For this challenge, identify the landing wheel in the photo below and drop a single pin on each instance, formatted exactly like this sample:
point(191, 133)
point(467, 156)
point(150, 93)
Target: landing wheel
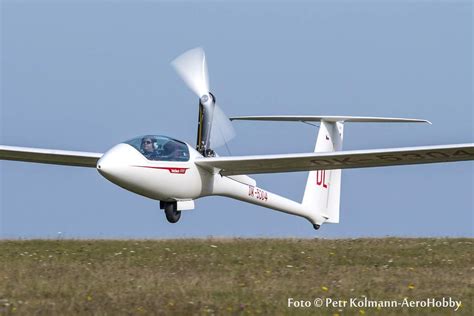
point(172, 214)
point(316, 226)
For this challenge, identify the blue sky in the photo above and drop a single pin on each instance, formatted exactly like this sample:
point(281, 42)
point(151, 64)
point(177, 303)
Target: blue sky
point(83, 75)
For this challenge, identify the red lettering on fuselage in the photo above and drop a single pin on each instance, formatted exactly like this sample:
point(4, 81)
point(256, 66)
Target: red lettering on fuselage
point(170, 169)
point(258, 193)
point(321, 178)
point(251, 190)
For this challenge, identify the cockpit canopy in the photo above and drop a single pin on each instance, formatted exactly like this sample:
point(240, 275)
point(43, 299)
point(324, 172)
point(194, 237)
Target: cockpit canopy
point(160, 148)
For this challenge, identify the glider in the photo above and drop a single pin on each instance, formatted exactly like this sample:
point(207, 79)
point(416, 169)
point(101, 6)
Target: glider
point(176, 174)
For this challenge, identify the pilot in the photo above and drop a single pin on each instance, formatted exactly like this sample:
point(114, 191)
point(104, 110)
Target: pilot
point(148, 148)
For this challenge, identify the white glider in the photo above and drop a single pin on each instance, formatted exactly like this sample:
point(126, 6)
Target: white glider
point(176, 173)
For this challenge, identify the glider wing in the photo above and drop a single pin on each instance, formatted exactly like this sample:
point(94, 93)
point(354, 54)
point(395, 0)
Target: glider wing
point(50, 156)
point(337, 160)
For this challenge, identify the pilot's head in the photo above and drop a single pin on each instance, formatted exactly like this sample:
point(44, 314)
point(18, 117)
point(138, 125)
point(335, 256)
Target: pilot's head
point(148, 144)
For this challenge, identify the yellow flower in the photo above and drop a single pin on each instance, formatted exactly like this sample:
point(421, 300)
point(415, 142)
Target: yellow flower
point(411, 286)
point(325, 289)
point(361, 311)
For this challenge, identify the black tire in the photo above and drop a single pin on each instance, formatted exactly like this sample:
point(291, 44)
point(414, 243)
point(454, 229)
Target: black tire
point(172, 214)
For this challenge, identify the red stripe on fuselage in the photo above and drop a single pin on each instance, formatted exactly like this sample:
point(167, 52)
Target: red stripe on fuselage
point(170, 169)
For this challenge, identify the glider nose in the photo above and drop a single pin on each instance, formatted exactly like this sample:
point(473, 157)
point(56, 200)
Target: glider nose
point(105, 165)
point(114, 164)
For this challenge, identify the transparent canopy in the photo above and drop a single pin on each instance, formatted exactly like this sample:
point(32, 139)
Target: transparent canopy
point(160, 148)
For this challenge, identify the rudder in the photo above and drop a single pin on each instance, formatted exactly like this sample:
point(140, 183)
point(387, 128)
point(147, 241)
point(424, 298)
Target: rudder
point(323, 187)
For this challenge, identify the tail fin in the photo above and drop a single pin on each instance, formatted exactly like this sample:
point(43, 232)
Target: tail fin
point(323, 187)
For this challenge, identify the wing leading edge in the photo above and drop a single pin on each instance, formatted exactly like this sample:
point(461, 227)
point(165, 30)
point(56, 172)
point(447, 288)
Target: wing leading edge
point(338, 160)
point(50, 156)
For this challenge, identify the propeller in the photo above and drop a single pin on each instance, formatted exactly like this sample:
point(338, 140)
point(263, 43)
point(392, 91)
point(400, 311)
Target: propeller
point(191, 66)
point(222, 129)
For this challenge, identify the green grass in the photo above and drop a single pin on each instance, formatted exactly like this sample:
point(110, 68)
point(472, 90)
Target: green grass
point(230, 276)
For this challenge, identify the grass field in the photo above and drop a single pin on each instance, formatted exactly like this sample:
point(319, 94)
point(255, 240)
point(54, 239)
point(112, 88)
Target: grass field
point(232, 276)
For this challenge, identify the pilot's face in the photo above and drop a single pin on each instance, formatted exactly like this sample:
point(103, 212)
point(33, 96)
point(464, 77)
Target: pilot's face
point(147, 145)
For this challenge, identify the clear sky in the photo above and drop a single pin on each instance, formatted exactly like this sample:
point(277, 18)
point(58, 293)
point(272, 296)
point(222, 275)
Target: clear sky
point(85, 75)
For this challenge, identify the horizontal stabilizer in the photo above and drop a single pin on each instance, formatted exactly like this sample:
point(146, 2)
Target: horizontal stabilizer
point(50, 156)
point(312, 118)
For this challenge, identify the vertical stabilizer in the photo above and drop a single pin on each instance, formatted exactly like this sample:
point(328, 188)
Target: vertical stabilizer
point(323, 187)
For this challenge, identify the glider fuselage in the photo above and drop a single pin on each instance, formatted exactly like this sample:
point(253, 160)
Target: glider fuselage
point(182, 181)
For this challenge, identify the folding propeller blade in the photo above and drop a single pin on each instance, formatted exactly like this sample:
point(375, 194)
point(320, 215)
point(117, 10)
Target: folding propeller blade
point(192, 68)
point(222, 129)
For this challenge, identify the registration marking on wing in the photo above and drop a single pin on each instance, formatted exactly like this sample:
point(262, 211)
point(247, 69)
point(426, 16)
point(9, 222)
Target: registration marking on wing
point(393, 157)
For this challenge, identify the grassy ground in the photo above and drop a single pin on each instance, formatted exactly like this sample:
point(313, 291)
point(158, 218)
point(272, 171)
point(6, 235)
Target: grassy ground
point(235, 276)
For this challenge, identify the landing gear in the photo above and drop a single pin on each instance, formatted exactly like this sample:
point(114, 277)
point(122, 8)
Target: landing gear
point(171, 212)
point(316, 226)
